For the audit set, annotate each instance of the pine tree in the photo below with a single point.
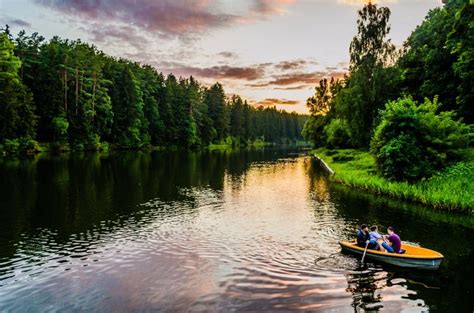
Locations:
(17, 117)
(216, 103)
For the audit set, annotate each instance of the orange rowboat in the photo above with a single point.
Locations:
(414, 257)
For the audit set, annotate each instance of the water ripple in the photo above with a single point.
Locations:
(254, 245)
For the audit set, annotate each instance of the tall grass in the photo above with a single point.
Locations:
(451, 189)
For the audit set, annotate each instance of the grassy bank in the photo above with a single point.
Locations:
(451, 189)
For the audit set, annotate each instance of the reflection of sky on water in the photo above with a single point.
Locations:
(263, 236)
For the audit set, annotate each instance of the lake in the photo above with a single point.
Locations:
(247, 230)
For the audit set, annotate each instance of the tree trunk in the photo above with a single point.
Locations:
(65, 90)
(77, 89)
(94, 84)
(65, 85)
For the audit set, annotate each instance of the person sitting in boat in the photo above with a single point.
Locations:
(375, 237)
(363, 238)
(393, 243)
(379, 239)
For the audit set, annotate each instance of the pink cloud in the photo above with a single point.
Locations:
(220, 72)
(276, 101)
(181, 18)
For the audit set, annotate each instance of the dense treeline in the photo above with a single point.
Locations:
(74, 96)
(385, 90)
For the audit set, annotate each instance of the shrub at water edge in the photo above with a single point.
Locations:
(413, 141)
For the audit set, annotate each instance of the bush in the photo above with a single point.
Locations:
(93, 143)
(28, 146)
(413, 142)
(60, 127)
(58, 147)
(337, 134)
(11, 146)
(313, 130)
(78, 147)
(104, 146)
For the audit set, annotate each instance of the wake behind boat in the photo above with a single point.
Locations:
(414, 257)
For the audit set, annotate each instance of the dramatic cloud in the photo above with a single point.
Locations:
(291, 65)
(220, 40)
(276, 101)
(299, 87)
(295, 80)
(219, 72)
(306, 78)
(268, 7)
(176, 18)
(362, 2)
(258, 85)
(110, 34)
(228, 55)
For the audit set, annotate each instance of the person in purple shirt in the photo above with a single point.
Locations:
(394, 241)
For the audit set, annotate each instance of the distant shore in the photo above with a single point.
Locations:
(49, 147)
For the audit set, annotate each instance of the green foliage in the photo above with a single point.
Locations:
(371, 47)
(59, 147)
(83, 96)
(11, 147)
(439, 58)
(20, 146)
(341, 157)
(313, 130)
(337, 134)
(451, 188)
(94, 143)
(322, 102)
(412, 141)
(322, 108)
(215, 101)
(372, 80)
(60, 127)
(129, 128)
(17, 118)
(357, 99)
(461, 42)
(364, 95)
(28, 146)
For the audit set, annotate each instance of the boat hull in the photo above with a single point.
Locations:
(396, 259)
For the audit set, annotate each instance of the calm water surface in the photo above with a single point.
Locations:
(210, 231)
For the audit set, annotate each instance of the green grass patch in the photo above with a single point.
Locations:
(451, 189)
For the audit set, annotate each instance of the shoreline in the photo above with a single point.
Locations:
(47, 148)
(450, 190)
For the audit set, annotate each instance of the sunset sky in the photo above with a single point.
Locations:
(271, 52)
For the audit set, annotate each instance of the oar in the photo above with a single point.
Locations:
(365, 250)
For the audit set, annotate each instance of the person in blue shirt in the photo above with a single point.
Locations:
(377, 238)
(363, 236)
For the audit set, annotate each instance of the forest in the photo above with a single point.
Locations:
(71, 96)
(411, 107)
